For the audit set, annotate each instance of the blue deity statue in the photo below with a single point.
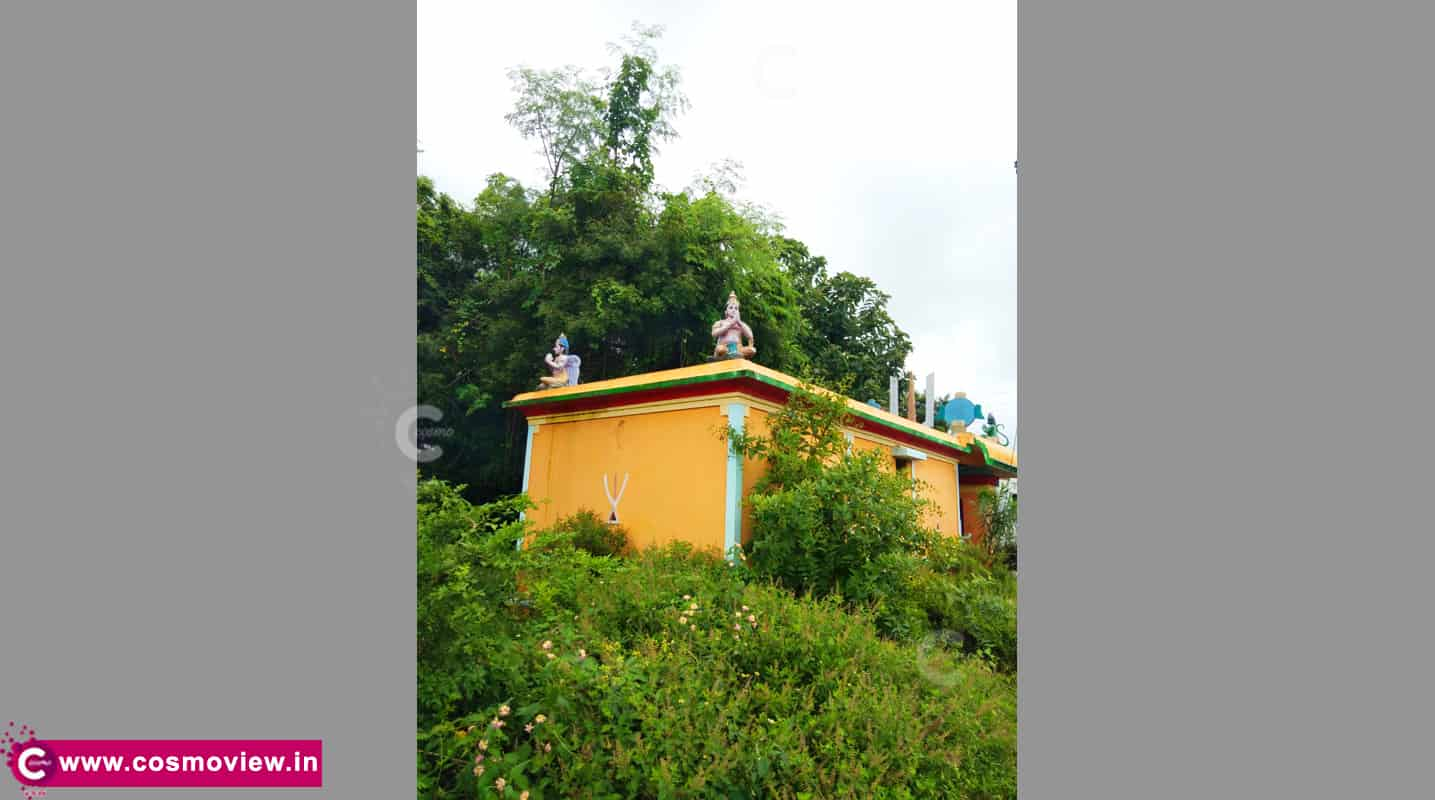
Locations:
(564, 366)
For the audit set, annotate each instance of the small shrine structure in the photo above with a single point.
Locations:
(644, 451)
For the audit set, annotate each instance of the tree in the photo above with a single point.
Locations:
(633, 275)
(620, 117)
(849, 336)
(643, 98)
(562, 110)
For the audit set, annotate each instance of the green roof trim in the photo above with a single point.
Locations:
(760, 378)
(695, 379)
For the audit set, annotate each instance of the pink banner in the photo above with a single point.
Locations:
(160, 763)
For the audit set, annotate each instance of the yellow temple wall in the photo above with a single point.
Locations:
(939, 475)
(675, 463)
(752, 469)
(677, 469)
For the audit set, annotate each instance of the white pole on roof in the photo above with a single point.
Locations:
(932, 400)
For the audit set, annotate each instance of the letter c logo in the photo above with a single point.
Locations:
(22, 763)
(406, 421)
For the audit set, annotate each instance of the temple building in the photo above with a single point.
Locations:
(645, 452)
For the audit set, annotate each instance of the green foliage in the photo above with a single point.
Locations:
(642, 99)
(594, 535)
(998, 511)
(633, 275)
(848, 335)
(981, 607)
(462, 586)
(830, 522)
(560, 108)
(826, 520)
(670, 674)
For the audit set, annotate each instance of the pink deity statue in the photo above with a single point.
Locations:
(564, 366)
(729, 332)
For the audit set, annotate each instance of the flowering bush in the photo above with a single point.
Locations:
(674, 674)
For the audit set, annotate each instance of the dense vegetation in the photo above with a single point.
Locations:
(672, 674)
(847, 653)
(634, 274)
(831, 521)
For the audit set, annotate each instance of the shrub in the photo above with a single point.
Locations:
(979, 605)
(998, 511)
(672, 673)
(821, 514)
(670, 676)
(955, 557)
(593, 534)
(462, 586)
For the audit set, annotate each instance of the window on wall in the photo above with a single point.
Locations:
(905, 459)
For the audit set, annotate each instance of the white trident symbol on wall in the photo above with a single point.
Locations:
(613, 501)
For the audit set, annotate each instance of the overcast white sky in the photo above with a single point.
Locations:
(882, 136)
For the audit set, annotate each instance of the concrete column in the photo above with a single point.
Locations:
(732, 507)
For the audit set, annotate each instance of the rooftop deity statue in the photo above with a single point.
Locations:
(563, 364)
(729, 332)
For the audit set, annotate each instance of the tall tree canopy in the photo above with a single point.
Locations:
(634, 276)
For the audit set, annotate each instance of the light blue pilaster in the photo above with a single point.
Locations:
(957, 477)
(732, 516)
(527, 467)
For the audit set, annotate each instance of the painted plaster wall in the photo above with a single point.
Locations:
(677, 473)
(752, 469)
(939, 474)
(971, 514)
(676, 467)
(941, 477)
